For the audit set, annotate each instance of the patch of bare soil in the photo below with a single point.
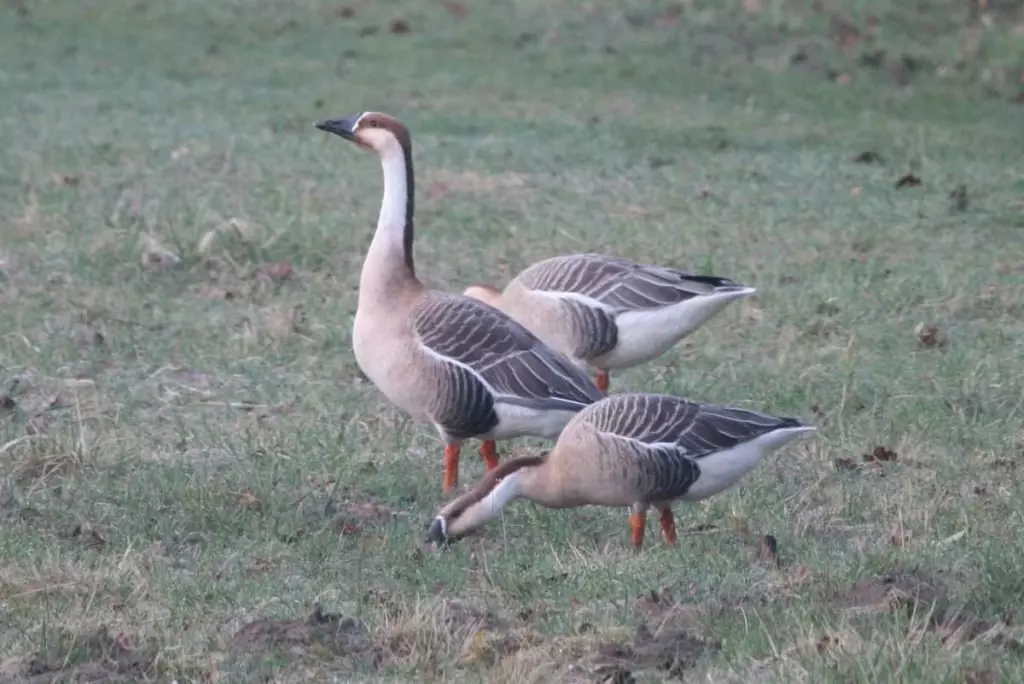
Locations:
(96, 657)
(926, 603)
(321, 635)
(669, 651)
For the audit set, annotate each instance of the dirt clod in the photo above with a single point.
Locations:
(869, 157)
(880, 455)
(908, 181)
(317, 635)
(399, 26)
(671, 651)
(768, 550)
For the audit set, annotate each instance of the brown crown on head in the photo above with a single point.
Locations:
(388, 123)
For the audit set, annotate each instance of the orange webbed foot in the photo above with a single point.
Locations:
(637, 522)
(451, 467)
(668, 526)
(602, 381)
(489, 452)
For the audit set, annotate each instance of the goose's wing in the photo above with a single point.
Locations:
(488, 358)
(618, 285)
(671, 435)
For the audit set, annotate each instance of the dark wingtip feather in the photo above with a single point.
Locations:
(712, 281)
(785, 423)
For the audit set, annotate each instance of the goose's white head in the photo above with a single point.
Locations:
(372, 131)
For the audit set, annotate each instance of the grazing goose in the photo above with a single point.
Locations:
(607, 313)
(635, 450)
(445, 358)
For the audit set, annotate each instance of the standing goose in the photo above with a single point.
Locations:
(635, 450)
(444, 358)
(607, 313)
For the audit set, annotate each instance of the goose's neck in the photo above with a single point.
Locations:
(389, 261)
(530, 482)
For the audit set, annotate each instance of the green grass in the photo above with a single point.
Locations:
(190, 464)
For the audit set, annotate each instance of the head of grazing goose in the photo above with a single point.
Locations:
(466, 514)
(488, 294)
(371, 131)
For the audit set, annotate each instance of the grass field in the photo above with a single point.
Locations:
(195, 483)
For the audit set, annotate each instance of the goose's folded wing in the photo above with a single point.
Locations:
(501, 353)
(620, 285)
(670, 435)
(693, 430)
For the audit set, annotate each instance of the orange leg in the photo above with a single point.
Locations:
(602, 380)
(489, 452)
(668, 526)
(451, 467)
(637, 521)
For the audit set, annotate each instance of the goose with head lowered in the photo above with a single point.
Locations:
(607, 313)
(444, 358)
(631, 450)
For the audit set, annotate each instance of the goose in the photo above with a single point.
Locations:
(445, 358)
(631, 450)
(607, 313)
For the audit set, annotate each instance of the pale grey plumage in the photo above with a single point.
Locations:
(604, 310)
(485, 348)
(669, 435)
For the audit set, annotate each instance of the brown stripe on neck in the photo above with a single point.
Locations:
(491, 479)
(410, 204)
(401, 134)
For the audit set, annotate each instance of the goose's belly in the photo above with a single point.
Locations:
(391, 366)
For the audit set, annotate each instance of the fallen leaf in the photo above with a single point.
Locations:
(669, 18)
(247, 499)
(437, 189)
(801, 573)
(929, 336)
(155, 255)
(275, 270)
(399, 26)
(827, 642)
(880, 455)
(90, 538)
(908, 181)
(64, 179)
(456, 9)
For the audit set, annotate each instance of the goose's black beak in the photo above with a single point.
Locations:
(346, 128)
(437, 533)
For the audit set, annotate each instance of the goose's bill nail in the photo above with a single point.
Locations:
(436, 533)
(344, 128)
